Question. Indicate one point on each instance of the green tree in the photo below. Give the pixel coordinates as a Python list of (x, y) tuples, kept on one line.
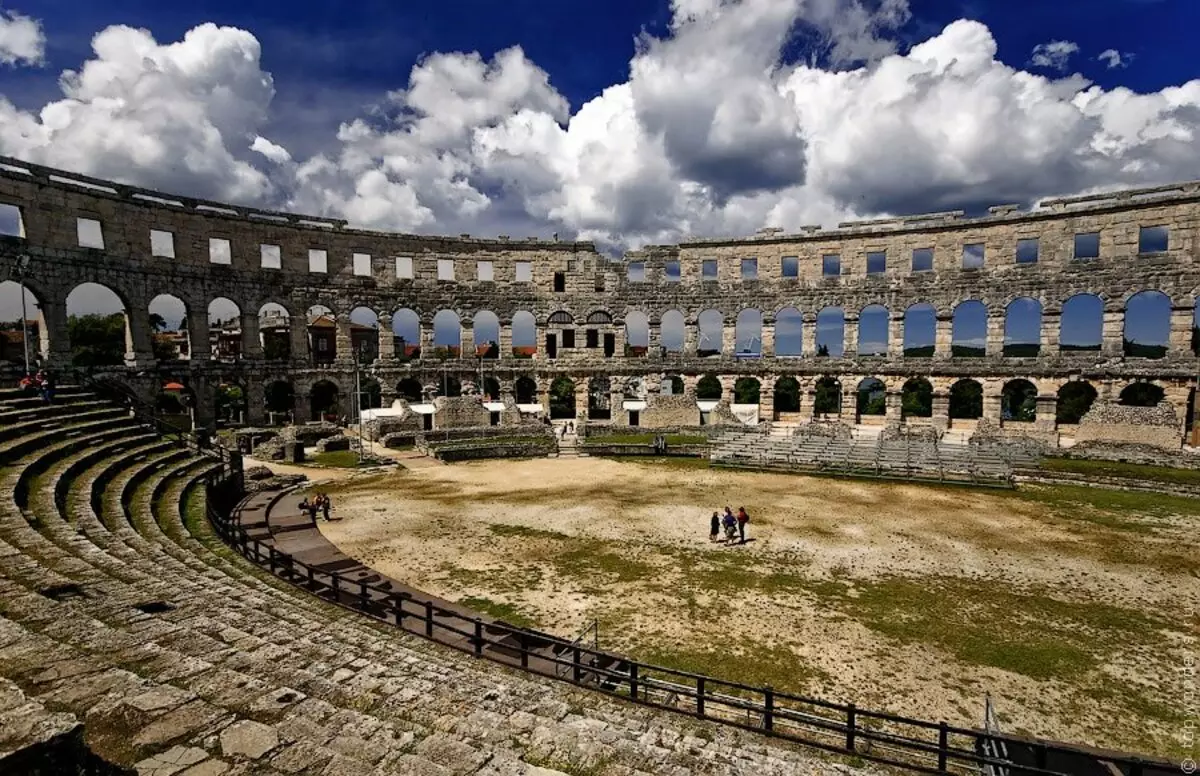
[(708, 388), (827, 399), (562, 398), (1074, 400), (787, 395), (97, 340), (966, 400), (746, 391), (917, 399)]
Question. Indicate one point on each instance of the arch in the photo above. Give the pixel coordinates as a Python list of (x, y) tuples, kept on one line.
[(747, 333), (968, 330), (562, 398), (671, 385), (708, 388), (600, 398), (966, 400), (229, 403), (36, 336), (873, 323), (672, 331), (524, 335), (225, 329), (1147, 325), (747, 390), (827, 397), (491, 389), (1082, 324), (406, 328), (1023, 327), (871, 397), (275, 331), (787, 395), (599, 318), (1141, 395), (370, 394), (279, 400), (176, 401), (789, 332), (1075, 398), (447, 334), (322, 334), (526, 391), (410, 390), (637, 334), (920, 331), (1018, 401), (97, 326), (449, 386), (710, 326), (831, 333), (364, 334), (486, 328), (168, 328), (323, 400), (560, 318), (916, 398)]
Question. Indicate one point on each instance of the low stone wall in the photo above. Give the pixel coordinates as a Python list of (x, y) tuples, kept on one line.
[(1111, 423), (597, 431), (681, 451), (1026, 435), (897, 431), (398, 440), (514, 448), (824, 430), (1152, 455)]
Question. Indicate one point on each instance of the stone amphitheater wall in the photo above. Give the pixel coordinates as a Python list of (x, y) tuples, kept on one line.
[(573, 287)]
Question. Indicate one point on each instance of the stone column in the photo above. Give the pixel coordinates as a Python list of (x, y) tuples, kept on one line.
[(1180, 342), (1047, 412), (1051, 328), (619, 341), (850, 337), (654, 341), (849, 410), (944, 337), (297, 339), (691, 338), (256, 402), (343, 342), (581, 395), (766, 397), (941, 410), (466, 341), (808, 336), (198, 343), (427, 342), (896, 335), (728, 340), (139, 346), (387, 339), (205, 403), (54, 315), (251, 342), (1112, 341), (991, 402), (505, 344), (894, 407), (768, 340), (995, 334)]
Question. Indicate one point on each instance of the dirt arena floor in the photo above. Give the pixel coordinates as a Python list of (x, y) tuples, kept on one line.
[(1076, 609)]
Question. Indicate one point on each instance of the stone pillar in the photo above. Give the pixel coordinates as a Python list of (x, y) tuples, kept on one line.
[(991, 403), (466, 341), (1180, 342), (654, 341), (894, 407), (941, 410), (766, 397), (849, 410), (387, 339), (427, 342), (808, 336), (995, 334), (505, 344), (850, 337), (944, 337), (768, 340), (1051, 328), (54, 315), (691, 337), (896, 335), (346, 402), (139, 346), (198, 343), (581, 395), (1047, 412), (1112, 341), (343, 342), (205, 410), (728, 340), (619, 341), (298, 339), (251, 342), (256, 402)]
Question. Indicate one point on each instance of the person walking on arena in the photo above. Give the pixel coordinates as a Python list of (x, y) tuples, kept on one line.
[(715, 528), (730, 523), (742, 519), (325, 506)]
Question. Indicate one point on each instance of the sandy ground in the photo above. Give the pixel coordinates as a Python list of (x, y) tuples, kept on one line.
[(917, 600)]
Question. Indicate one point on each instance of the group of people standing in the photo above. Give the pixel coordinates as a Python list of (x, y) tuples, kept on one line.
[(320, 503), (735, 526)]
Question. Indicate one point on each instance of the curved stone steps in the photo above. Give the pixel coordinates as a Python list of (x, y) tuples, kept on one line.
[(54, 417), (45, 439)]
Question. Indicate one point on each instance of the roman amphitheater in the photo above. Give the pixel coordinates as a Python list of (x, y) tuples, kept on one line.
[(167, 608)]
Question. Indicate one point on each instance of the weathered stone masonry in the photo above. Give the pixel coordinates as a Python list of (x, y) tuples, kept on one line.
[(594, 288)]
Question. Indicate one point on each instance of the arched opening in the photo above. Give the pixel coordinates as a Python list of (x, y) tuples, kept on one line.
[(275, 330), (364, 334), (1018, 401), (562, 399), (525, 389), (451, 386), (1023, 328), (19, 339), (486, 327), (787, 396), (873, 331), (920, 331), (322, 334), (491, 389), (225, 329), (323, 401), (968, 330), (1147, 325), (1074, 400), (789, 332), (97, 326), (711, 325), (406, 330), (966, 400), (671, 331), (708, 388), (831, 332), (916, 399), (672, 385), (871, 397), (600, 398), (410, 390), (524, 336), (747, 334), (168, 328), (1141, 395), (370, 394), (447, 335), (1082, 324), (827, 397), (747, 390), (175, 403), (280, 400), (229, 403), (637, 334)]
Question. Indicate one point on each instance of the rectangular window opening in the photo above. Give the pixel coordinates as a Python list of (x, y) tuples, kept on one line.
[(318, 260), (362, 264), (973, 255), (922, 260), (404, 268), (876, 263), (1027, 250), (12, 224), (445, 269), (749, 269), (831, 265), (789, 267), (524, 272), (708, 269), (162, 244), (270, 256), (637, 272), (671, 271), (560, 282), (219, 251), (1087, 245), (592, 338), (90, 232), (485, 272), (1153, 239)]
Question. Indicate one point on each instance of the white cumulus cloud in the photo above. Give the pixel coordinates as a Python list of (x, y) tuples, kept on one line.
[(21, 39), (1114, 59), (1053, 55)]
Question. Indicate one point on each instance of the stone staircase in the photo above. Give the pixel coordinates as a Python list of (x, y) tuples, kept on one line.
[(120, 610), (568, 446)]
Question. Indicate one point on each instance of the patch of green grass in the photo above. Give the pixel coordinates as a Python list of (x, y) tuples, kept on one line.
[(524, 532), (509, 579), (341, 459), (1133, 471), (745, 661), (501, 611), (592, 560), (1114, 508)]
